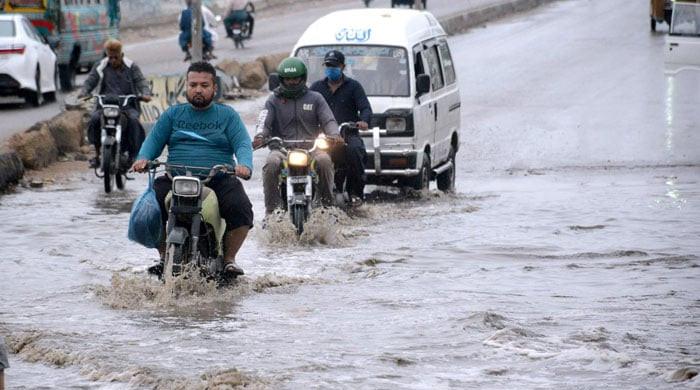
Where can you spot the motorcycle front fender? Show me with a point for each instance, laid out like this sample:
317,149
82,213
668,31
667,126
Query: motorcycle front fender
178,235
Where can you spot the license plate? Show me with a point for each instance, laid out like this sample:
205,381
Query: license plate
297,179
236,31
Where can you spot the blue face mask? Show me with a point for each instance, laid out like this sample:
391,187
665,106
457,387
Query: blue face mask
333,73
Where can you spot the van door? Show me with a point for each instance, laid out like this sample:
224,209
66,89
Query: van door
423,113
438,93
449,105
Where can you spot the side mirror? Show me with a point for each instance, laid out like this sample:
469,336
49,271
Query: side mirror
273,81
422,84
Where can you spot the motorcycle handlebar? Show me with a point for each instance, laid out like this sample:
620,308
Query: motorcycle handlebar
219,168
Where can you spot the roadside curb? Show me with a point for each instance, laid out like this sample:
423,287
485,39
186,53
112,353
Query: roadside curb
458,22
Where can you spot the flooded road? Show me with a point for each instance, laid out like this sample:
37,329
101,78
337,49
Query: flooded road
567,259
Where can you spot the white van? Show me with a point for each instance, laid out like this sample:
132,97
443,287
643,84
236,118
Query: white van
402,60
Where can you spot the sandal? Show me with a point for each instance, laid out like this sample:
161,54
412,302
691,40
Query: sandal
231,269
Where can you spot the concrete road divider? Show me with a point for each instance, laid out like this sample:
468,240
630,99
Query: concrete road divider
11,169
36,146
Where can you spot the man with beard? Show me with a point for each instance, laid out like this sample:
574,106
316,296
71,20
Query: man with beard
117,75
203,134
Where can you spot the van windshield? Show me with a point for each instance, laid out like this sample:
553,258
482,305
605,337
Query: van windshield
382,70
686,20
26,3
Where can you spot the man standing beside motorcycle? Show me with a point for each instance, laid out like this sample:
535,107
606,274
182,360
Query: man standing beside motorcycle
235,11
349,103
203,134
293,112
185,37
117,75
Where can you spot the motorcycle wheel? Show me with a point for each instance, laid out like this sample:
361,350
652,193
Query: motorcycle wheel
298,218
172,265
108,167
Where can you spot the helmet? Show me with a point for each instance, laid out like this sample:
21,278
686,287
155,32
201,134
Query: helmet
290,68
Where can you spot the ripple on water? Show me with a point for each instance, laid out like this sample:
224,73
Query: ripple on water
47,348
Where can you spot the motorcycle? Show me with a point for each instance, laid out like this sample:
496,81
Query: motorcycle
114,163
195,230
298,180
239,25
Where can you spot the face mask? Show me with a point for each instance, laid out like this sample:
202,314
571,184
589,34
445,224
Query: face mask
333,73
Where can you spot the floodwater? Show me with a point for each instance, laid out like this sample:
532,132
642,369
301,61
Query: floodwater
568,258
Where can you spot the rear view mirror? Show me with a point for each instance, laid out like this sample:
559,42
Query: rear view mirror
273,81
422,84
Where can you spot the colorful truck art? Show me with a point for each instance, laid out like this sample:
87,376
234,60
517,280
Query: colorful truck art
78,27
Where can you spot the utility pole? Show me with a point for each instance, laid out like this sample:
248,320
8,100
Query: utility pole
196,30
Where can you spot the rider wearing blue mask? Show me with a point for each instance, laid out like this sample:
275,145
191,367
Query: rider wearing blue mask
349,103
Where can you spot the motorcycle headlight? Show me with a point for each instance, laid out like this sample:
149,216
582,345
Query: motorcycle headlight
110,112
396,124
186,186
298,159
321,143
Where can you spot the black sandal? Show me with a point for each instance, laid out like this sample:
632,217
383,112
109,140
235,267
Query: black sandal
231,269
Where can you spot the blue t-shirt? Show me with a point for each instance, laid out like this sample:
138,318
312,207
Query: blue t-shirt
201,138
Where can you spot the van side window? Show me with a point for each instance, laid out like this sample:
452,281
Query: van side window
418,64
433,61
447,64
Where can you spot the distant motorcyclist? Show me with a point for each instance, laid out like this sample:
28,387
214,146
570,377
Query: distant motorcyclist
242,11
185,38
203,134
116,75
349,103
293,112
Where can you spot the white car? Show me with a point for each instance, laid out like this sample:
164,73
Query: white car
27,62
683,40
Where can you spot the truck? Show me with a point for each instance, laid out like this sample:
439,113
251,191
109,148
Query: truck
75,29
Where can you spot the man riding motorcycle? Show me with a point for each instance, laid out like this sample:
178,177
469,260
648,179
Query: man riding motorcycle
349,103
203,134
185,38
242,11
116,75
293,112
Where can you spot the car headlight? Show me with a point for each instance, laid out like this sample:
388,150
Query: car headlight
396,124
110,112
321,143
186,186
298,158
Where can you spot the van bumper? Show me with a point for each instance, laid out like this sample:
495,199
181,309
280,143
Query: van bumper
399,161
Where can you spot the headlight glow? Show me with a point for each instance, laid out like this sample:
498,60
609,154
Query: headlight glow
396,124
298,159
188,186
321,143
110,112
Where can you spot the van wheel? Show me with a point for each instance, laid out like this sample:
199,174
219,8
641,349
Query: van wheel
653,25
422,180
35,98
446,180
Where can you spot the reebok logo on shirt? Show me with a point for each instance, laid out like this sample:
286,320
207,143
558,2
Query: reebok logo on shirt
198,125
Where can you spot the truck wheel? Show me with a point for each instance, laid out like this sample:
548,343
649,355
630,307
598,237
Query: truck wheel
67,76
446,180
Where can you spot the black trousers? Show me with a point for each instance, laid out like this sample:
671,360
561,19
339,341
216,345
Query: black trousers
234,205
349,161
133,133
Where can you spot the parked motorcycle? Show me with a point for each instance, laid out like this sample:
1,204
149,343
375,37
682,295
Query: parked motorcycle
298,181
195,229
114,163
